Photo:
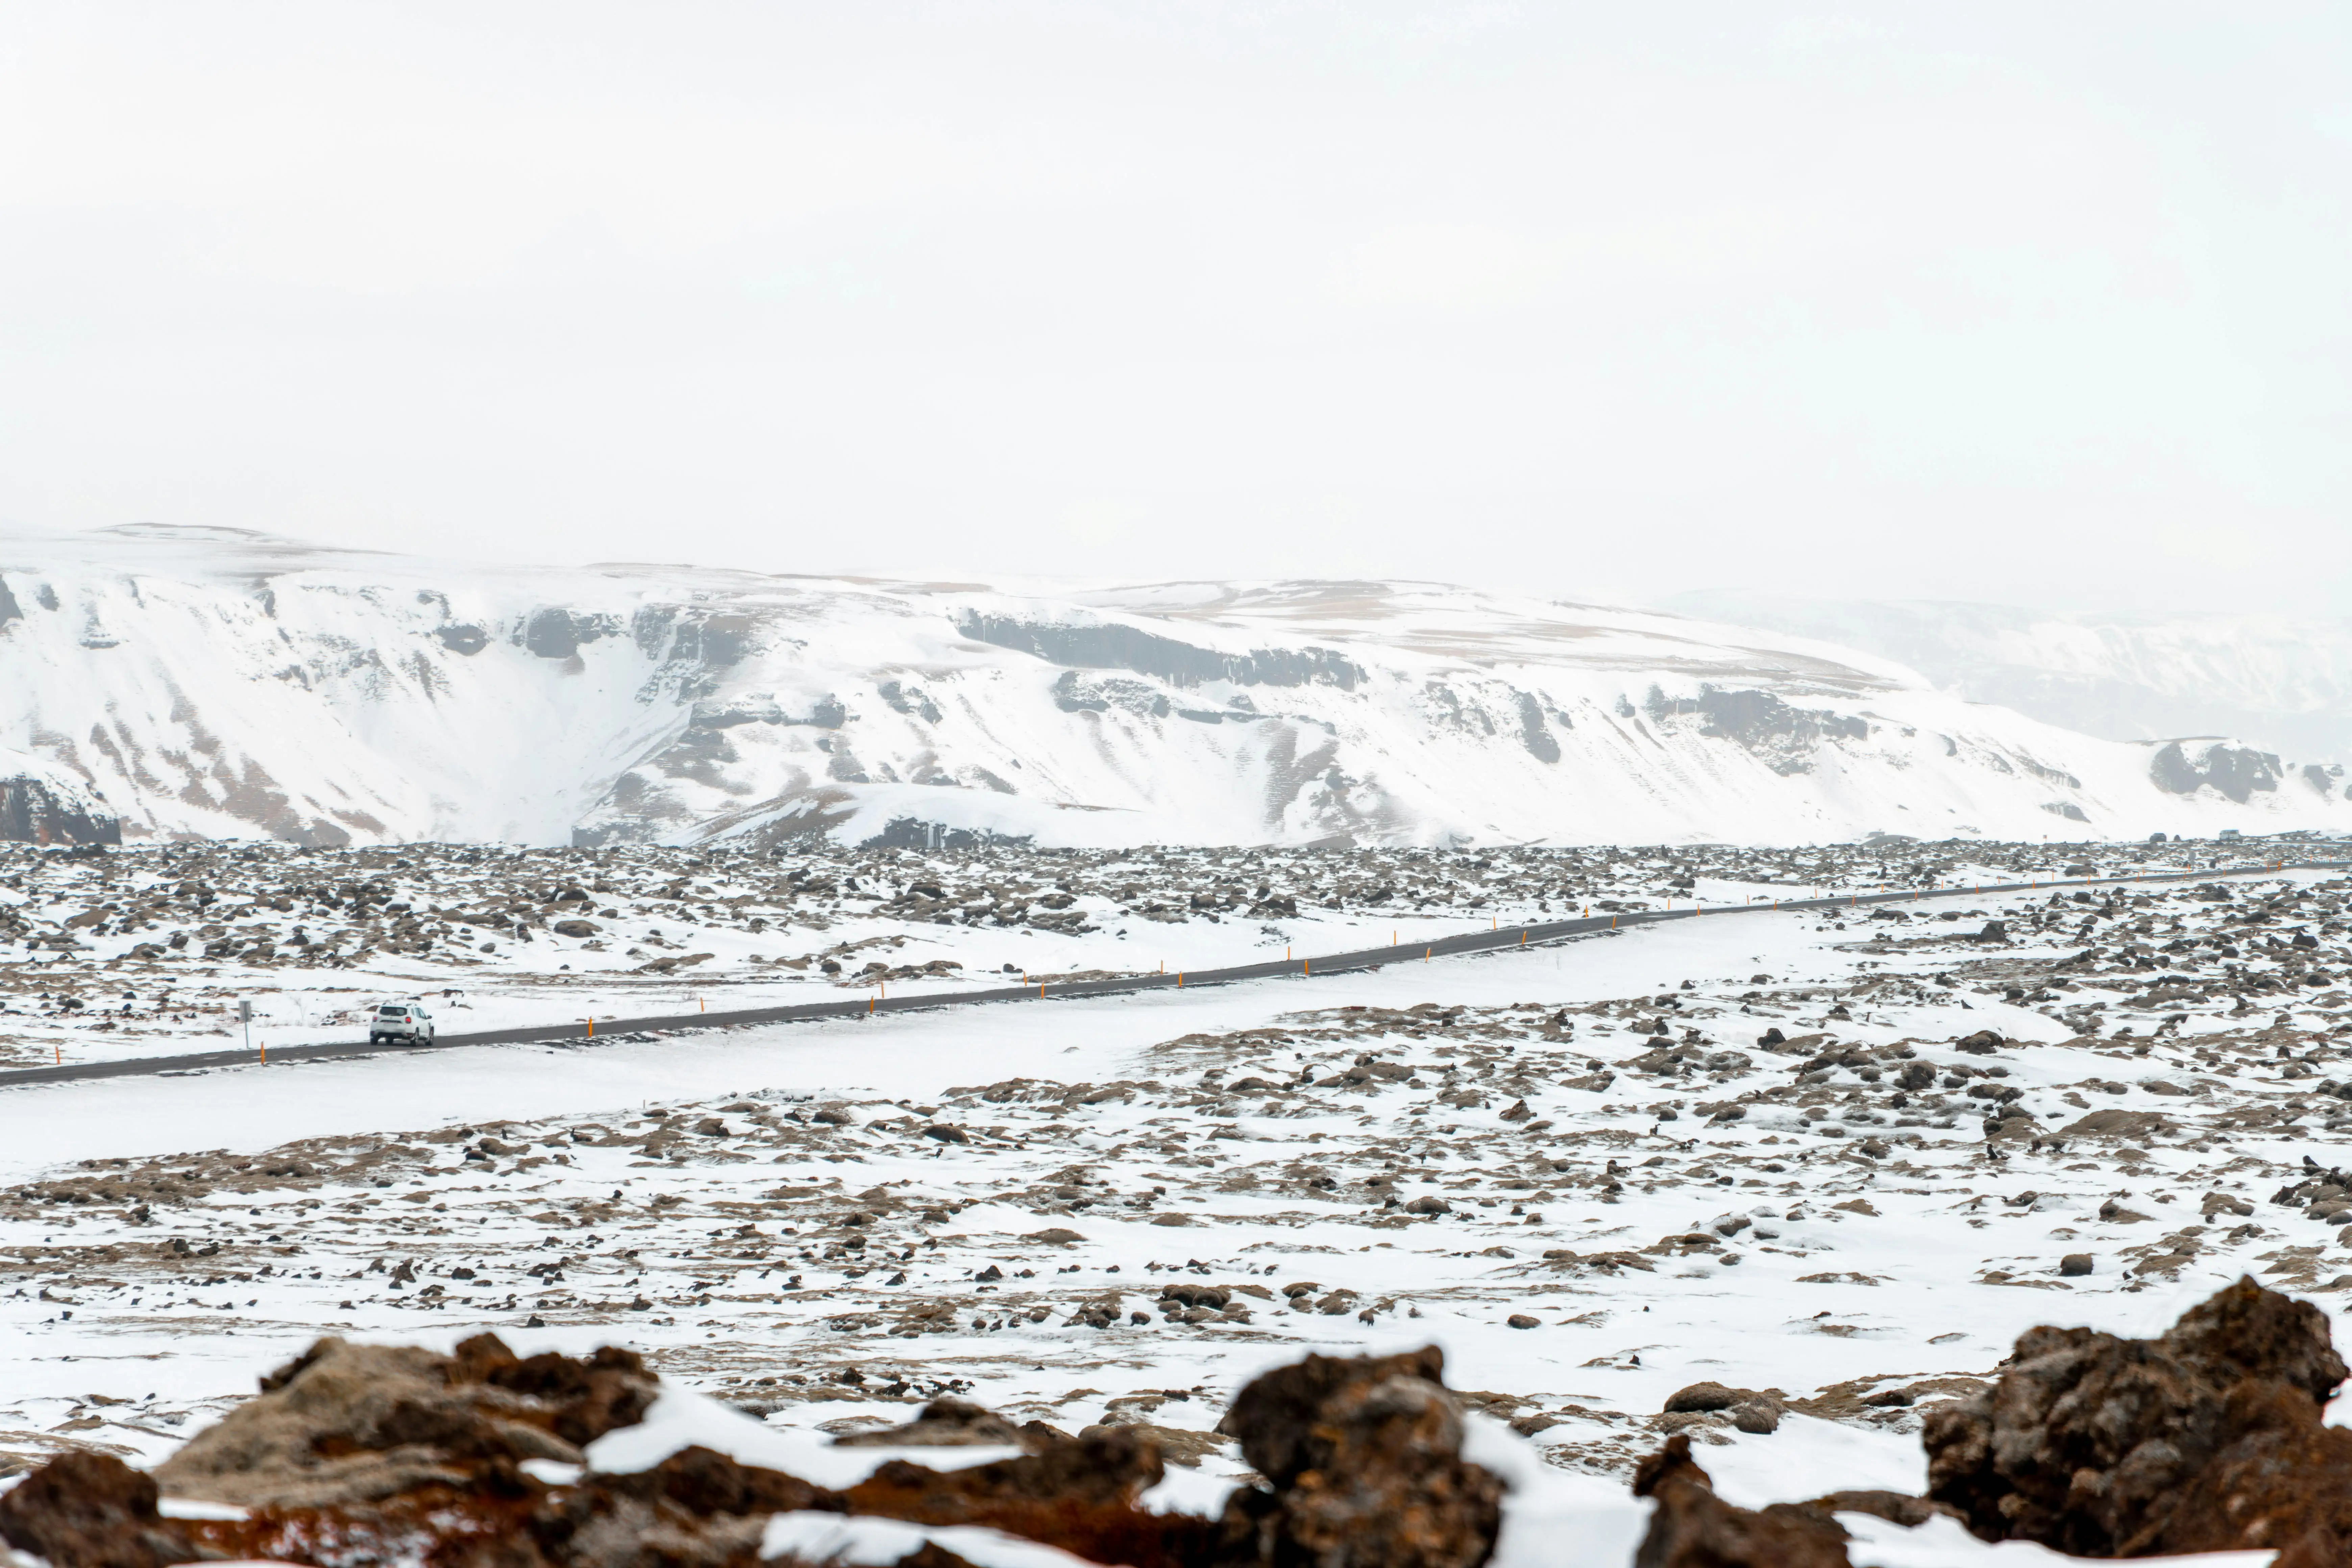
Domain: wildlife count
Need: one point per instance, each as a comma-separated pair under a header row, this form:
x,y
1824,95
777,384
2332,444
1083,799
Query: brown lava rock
x,y
1748,1410
697,1508
2206,1439
369,1456
943,1423
90,1510
1363,1457
1082,1494
348,1422
1693,1528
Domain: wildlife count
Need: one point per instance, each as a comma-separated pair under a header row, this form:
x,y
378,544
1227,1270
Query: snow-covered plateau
x,y
189,683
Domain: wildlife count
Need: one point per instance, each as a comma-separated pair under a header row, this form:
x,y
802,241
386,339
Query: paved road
x,y
1489,940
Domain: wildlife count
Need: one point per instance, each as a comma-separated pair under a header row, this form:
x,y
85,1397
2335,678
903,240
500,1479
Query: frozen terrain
x,y
215,684
1841,1163
149,954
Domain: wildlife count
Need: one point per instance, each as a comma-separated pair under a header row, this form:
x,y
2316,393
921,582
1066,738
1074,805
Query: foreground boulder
x,y
86,1508
1363,1457
2207,1439
359,1455
350,1422
1690,1527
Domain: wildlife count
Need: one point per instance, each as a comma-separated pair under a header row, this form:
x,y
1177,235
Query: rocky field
x,y
106,954
1786,1186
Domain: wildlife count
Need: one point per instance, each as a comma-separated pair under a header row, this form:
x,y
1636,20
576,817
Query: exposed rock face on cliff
x,y
42,803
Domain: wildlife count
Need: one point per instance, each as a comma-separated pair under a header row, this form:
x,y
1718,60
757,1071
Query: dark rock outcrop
x,y
34,812
1748,1410
2235,772
2207,1439
361,1456
1363,1457
1693,1528
1081,1494
346,1424
1108,645
91,1510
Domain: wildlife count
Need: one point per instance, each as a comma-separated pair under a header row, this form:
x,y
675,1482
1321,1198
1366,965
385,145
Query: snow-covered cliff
x,y
216,683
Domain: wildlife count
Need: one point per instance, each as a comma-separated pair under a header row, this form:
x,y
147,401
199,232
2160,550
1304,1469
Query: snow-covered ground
x,y
1119,1209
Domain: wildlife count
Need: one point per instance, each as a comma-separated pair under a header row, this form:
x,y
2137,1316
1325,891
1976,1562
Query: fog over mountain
x,y
2281,682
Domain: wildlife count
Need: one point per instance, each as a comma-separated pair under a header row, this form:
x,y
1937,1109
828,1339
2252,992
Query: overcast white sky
x,y
2029,302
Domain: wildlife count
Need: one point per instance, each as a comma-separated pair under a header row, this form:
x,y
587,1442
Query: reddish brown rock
x,y
1692,1528
697,1508
1363,1461
1082,1494
2206,1439
90,1510
357,1457
1747,1409
346,1424
942,1424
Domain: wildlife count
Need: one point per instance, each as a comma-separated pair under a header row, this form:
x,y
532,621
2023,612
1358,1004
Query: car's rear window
x,y
391,1012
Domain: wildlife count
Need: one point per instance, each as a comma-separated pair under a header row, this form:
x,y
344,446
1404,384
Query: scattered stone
x,y
943,1423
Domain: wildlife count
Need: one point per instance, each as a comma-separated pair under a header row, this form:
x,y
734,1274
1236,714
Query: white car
x,y
404,1021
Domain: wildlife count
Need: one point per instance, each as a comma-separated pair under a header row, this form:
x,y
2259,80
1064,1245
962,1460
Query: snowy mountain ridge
x,y
214,683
